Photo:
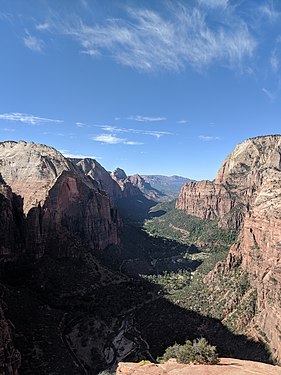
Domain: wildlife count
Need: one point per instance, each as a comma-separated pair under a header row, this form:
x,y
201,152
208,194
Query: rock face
x,y
146,188
227,366
236,186
93,169
246,195
63,207
128,189
11,219
10,358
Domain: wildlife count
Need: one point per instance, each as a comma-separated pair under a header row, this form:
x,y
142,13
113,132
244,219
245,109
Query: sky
x,y
151,86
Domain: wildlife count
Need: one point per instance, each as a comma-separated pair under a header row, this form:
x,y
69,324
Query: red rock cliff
x,y
236,186
246,195
65,210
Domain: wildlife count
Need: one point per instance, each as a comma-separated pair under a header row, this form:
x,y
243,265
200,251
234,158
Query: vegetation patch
x,y
198,352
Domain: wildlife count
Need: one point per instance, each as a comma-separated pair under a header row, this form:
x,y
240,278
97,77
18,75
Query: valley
x,y
89,281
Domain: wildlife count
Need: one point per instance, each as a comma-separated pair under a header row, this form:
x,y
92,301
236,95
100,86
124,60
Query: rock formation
x,y
246,195
227,366
93,169
146,188
63,207
236,186
10,358
128,189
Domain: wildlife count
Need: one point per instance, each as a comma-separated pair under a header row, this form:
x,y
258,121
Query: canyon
x,y
80,265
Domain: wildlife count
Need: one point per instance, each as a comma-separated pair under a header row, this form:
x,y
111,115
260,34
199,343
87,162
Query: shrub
x,y
199,352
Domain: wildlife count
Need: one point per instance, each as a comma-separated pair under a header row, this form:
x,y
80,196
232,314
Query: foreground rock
x,y
227,366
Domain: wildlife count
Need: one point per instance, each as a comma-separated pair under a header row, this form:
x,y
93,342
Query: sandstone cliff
x,y
11,219
246,195
227,366
128,189
236,186
94,170
146,188
65,210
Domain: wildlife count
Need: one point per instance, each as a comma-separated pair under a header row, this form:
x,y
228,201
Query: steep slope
x,y
128,189
146,188
63,207
246,194
236,186
105,182
11,219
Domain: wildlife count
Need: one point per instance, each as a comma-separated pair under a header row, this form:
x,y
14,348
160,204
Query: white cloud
x,y
108,138
81,124
268,11
26,118
208,138
113,129
33,43
146,40
43,26
146,118
214,3
133,143
269,94
7,130
274,61
70,155
182,121
113,140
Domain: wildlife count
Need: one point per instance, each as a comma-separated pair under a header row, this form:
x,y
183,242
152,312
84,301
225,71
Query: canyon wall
x,y
246,195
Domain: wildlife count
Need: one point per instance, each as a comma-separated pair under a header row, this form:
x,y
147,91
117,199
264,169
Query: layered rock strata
x,y
65,210
246,195
236,186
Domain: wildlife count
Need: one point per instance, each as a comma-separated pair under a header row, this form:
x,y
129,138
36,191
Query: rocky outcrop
x,y
236,186
227,366
146,188
65,210
11,223
128,189
96,172
10,358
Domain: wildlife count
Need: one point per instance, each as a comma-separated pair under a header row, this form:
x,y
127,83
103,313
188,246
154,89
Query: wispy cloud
x,y
43,26
146,118
270,94
113,140
70,155
81,125
270,12
147,40
182,122
33,43
208,138
27,118
274,61
214,3
8,130
154,133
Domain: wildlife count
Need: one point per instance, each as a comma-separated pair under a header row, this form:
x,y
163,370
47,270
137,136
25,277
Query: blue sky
x,y
154,87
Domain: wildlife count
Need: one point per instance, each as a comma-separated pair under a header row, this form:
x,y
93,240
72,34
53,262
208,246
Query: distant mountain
x,y
169,185
146,188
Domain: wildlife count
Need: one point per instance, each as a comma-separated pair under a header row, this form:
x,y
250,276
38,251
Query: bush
x,y
199,352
